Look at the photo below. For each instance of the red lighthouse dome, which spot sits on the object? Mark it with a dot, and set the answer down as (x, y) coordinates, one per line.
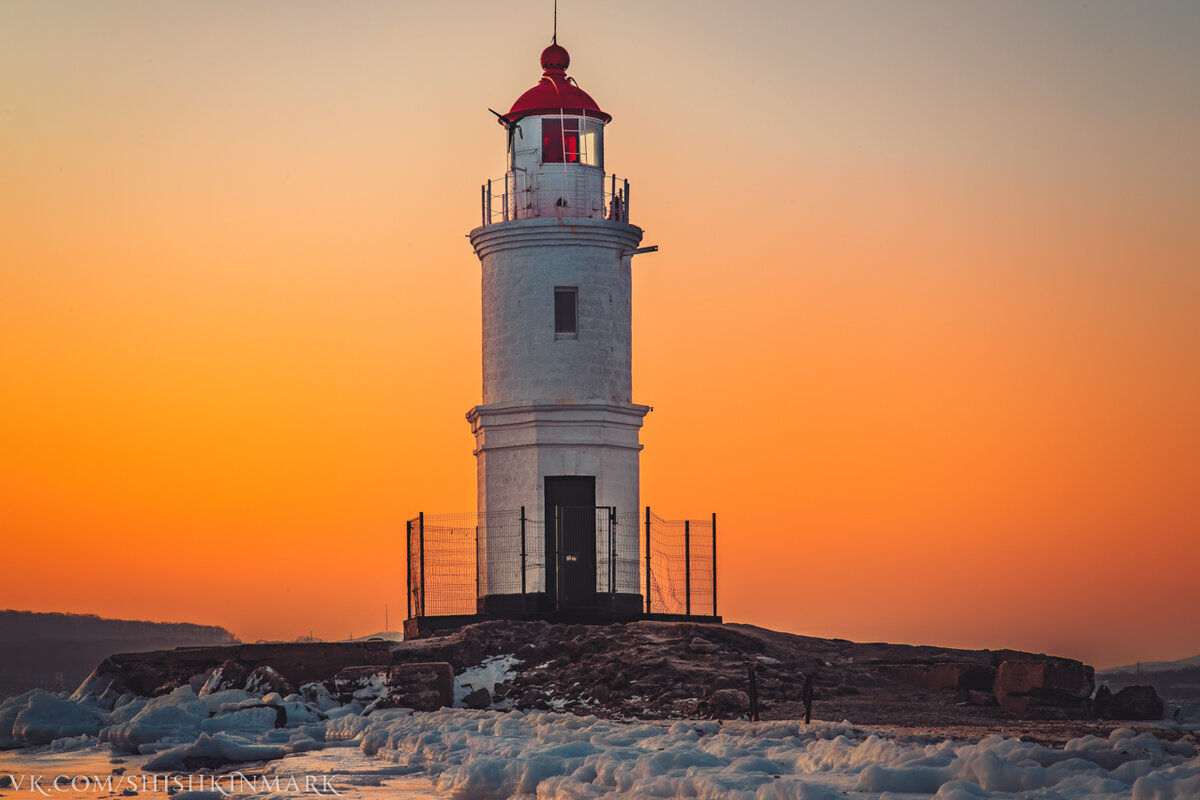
(555, 93)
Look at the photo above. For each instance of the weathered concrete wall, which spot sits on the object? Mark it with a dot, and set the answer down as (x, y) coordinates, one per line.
(522, 263)
(145, 673)
(554, 404)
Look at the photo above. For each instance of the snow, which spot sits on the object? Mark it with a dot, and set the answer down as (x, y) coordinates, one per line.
(492, 755)
(497, 669)
(483, 755)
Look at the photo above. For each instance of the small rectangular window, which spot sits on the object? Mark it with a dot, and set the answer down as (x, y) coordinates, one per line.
(565, 309)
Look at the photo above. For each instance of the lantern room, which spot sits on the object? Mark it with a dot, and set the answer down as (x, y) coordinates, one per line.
(556, 148)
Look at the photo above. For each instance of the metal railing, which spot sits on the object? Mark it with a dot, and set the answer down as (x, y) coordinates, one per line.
(671, 563)
(575, 194)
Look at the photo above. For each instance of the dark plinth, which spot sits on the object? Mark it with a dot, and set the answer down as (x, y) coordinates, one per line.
(608, 609)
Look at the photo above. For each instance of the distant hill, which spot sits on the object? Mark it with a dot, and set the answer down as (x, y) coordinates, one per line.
(57, 651)
(1175, 681)
(1153, 666)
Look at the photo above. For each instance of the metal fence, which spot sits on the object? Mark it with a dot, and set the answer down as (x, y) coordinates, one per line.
(681, 566)
(671, 563)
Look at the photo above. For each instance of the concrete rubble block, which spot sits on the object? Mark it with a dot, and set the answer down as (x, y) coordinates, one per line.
(1053, 688)
(421, 686)
(948, 676)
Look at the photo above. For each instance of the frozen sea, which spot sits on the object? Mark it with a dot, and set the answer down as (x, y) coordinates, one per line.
(226, 743)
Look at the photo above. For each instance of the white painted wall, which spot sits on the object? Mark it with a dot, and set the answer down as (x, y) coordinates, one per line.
(555, 405)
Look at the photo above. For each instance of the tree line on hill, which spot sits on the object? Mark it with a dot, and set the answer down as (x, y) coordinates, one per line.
(56, 651)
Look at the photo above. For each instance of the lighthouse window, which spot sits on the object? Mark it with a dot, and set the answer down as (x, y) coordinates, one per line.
(565, 309)
(571, 140)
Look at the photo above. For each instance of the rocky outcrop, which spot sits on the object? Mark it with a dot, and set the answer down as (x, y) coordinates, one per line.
(644, 670)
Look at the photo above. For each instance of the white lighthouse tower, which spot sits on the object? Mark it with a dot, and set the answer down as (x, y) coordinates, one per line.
(557, 432)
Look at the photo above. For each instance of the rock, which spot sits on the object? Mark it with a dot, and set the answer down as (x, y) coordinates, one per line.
(982, 699)
(601, 692)
(701, 645)
(198, 680)
(1056, 688)
(264, 680)
(1132, 702)
(728, 701)
(228, 675)
(480, 698)
(619, 682)
(421, 686)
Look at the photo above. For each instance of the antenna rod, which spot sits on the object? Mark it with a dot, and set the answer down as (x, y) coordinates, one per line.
(554, 38)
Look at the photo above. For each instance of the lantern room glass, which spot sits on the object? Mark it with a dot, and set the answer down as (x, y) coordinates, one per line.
(573, 140)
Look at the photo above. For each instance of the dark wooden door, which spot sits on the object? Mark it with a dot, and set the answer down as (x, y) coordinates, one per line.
(571, 540)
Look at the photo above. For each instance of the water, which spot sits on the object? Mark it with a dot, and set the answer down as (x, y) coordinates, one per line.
(94, 773)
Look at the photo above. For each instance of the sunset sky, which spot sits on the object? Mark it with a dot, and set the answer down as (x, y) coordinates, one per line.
(924, 329)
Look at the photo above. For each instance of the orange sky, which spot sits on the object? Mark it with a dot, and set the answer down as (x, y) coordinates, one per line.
(923, 330)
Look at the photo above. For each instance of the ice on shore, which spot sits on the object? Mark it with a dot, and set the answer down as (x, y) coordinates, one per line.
(491, 755)
(39, 717)
(482, 755)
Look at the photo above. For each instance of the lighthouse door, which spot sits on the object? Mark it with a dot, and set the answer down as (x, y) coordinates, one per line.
(571, 540)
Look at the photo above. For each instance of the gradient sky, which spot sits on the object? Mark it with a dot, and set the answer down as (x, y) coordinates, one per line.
(924, 330)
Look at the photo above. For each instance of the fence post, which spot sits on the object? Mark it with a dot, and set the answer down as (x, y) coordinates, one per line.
(477, 556)
(421, 538)
(714, 573)
(627, 217)
(522, 556)
(687, 566)
(612, 550)
(647, 559)
(483, 203)
(489, 200)
(408, 564)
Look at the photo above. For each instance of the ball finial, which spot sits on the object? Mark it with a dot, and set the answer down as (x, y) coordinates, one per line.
(555, 57)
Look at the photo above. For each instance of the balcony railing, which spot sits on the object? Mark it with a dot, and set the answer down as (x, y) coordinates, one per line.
(568, 191)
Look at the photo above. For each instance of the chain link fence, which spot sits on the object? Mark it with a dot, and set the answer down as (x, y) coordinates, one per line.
(670, 563)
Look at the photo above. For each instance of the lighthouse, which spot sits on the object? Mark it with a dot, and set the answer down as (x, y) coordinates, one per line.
(557, 432)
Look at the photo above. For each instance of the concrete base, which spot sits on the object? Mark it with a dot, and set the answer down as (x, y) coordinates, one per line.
(514, 605)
